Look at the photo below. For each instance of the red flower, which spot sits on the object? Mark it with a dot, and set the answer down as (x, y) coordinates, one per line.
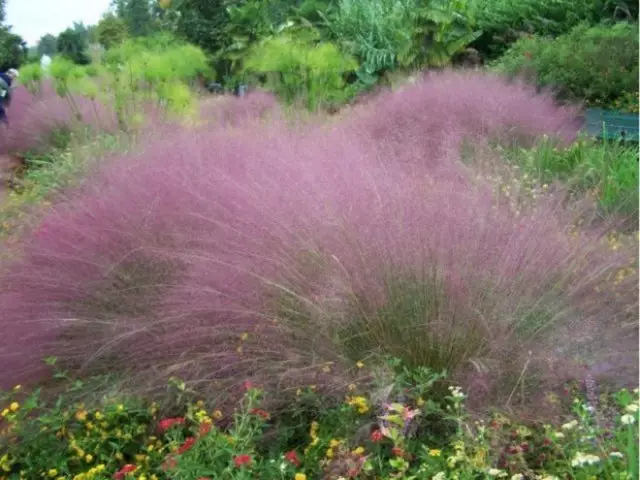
(204, 429)
(247, 385)
(260, 413)
(241, 460)
(122, 473)
(397, 451)
(292, 458)
(188, 443)
(376, 436)
(167, 423)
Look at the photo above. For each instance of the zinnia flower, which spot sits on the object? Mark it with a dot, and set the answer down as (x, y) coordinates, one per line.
(292, 458)
(128, 468)
(188, 443)
(166, 423)
(241, 460)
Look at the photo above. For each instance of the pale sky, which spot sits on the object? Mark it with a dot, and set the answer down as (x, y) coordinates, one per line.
(31, 19)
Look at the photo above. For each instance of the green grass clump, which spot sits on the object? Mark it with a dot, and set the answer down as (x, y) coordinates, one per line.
(607, 168)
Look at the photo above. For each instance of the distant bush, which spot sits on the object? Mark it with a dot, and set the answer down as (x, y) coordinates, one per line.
(285, 257)
(504, 21)
(597, 65)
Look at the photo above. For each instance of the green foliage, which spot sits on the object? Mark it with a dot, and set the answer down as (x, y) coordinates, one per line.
(504, 21)
(73, 45)
(297, 68)
(111, 31)
(13, 49)
(389, 34)
(598, 65)
(609, 169)
(409, 429)
(47, 45)
(31, 76)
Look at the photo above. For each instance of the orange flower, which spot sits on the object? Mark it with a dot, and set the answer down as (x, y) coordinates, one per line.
(204, 429)
(260, 413)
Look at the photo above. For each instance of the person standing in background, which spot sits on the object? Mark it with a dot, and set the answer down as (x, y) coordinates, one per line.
(6, 80)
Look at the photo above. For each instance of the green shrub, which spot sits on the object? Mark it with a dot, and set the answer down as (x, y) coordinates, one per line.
(296, 68)
(597, 65)
(389, 34)
(503, 21)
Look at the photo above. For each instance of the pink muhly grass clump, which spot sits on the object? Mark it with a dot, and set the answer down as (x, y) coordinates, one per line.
(232, 111)
(461, 105)
(318, 252)
(34, 118)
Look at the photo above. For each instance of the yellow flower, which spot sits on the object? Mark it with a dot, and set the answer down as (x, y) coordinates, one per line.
(5, 412)
(359, 364)
(300, 476)
(217, 415)
(334, 443)
(434, 452)
(120, 408)
(88, 458)
(14, 407)
(119, 456)
(330, 453)
(358, 451)
(17, 387)
(98, 415)
(420, 401)
(52, 473)
(81, 415)
(352, 387)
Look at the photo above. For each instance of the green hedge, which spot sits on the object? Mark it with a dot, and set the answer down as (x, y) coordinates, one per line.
(597, 65)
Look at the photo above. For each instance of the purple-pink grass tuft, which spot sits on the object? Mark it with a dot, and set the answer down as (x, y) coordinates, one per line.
(461, 105)
(262, 253)
(34, 118)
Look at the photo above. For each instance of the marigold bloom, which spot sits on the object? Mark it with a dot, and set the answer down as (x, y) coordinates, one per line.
(241, 460)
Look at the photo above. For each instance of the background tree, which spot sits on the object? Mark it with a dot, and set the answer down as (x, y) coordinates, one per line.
(73, 45)
(47, 45)
(111, 30)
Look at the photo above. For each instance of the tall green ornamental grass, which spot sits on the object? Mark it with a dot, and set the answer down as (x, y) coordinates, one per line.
(298, 69)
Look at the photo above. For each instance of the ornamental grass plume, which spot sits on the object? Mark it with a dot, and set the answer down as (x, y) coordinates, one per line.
(283, 257)
(461, 105)
(35, 118)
